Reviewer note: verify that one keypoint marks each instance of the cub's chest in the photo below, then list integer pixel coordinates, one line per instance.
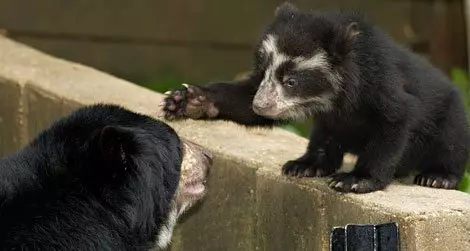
(349, 131)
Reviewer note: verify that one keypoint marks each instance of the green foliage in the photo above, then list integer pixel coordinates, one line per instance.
(300, 128)
(464, 186)
(461, 80)
(163, 82)
(292, 128)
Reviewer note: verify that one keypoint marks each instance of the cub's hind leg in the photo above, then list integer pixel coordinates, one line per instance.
(444, 166)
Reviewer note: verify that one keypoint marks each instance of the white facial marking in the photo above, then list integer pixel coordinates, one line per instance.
(269, 45)
(320, 62)
(270, 48)
(292, 107)
(317, 61)
(165, 234)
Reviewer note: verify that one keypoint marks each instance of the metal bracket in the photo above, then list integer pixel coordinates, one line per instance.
(365, 237)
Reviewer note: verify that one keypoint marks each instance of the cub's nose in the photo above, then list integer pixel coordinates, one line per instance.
(261, 106)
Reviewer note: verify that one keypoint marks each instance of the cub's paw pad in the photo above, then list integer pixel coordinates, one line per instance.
(347, 183)
(296, 168)
(188, 102)
(436, 180)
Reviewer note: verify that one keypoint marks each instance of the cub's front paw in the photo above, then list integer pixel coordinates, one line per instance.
(348, 182)
(305, 168)
(188, 102)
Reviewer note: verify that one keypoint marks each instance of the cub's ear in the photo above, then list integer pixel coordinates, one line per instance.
(285, 9)
(345, 38)
(351, 31)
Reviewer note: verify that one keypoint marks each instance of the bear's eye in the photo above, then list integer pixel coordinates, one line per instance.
(290, 82)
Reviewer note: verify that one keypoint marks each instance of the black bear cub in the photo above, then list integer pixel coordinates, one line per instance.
(102, 178)
(369, 96)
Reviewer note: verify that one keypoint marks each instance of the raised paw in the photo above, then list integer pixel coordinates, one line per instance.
(436, 180)
(348, 182)
(188, 102)
(299, 168)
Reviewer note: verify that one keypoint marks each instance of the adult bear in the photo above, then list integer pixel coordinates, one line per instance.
(102, 178)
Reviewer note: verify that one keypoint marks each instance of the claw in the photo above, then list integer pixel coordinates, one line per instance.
(429, 182)
(419, 181)
(308, 173)
(167, 93)
(195, 102)
(339, 184)
(320, 173)
(423, 182)
(354, 187)
(169, 117)
(185, 85)
(446, 184)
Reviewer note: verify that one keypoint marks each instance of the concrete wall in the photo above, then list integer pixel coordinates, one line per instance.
(250, 206)
(204, 40)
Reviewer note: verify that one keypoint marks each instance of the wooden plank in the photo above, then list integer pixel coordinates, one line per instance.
(447, 46)
(467, 22)
(184, 20)
(199, 40)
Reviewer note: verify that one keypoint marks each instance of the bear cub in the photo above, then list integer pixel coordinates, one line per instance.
(369, 96)
(101, 178)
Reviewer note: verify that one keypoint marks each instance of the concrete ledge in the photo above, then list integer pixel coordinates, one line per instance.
(250, 206)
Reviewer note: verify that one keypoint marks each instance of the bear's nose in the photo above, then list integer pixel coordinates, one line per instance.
(208, 156)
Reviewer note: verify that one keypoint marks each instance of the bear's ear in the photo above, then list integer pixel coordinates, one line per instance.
(286, 9)
(345, 38)
(115, 145)
(351, 31)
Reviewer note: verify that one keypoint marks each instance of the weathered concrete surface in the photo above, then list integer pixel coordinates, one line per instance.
(250, 205)
(230, 221)
(39, 101)
(10, 116)
(290, 217)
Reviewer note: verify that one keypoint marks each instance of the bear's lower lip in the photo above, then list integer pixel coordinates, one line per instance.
(195, 191)
(195, 187)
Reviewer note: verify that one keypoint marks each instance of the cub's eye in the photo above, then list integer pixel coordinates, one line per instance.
(290, 82)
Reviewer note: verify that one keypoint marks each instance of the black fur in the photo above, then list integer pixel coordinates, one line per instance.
(391, 107)
(102, 178)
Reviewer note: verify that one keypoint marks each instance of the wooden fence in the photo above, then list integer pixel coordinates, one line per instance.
(202, 40)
